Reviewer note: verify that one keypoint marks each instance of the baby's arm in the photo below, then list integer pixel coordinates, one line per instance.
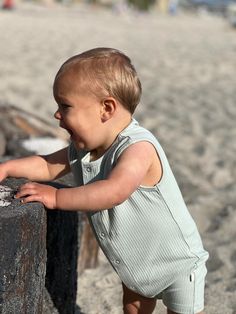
(38, 168)
(132, 168)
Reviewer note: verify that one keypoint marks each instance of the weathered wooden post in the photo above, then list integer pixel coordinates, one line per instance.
(63, 229)
(38, 248)
(22, 254)
(62, 256)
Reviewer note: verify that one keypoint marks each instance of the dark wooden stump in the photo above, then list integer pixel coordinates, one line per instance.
(62, 254)
(22, 257)
(27, 230)
(63, 228)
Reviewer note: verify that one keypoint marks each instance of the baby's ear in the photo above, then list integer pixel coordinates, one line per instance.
(109, 106)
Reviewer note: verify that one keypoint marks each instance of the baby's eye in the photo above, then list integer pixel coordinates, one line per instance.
(64, 107)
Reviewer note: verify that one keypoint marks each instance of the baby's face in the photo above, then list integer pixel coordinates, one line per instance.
(78, 112)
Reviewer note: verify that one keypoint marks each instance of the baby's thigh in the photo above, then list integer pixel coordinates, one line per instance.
(186, 294)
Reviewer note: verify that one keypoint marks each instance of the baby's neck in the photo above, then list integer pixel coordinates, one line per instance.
(112, 131)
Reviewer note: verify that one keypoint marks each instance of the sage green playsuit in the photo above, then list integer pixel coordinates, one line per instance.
(150, 239)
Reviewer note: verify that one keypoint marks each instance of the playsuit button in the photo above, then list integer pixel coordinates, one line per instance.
(88, 169)
(102, 235)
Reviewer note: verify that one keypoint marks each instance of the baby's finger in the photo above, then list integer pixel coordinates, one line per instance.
(32, 198)
(24, 190)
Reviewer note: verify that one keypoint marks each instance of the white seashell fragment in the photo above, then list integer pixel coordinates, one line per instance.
(6, 194)
(4, 203)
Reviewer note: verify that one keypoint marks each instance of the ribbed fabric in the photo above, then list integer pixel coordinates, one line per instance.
(150, 238)
(186, 294)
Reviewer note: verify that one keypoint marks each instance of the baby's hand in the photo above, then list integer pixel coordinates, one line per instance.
(35, 192)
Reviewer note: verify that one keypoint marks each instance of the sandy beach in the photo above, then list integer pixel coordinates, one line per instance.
(187, 66)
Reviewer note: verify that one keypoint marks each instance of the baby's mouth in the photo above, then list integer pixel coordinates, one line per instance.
(67, 129)
(70, 132)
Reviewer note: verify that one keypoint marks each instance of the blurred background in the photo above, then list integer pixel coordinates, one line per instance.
(185, 54)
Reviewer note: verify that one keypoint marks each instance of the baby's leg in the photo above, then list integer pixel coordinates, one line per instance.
(134, 303)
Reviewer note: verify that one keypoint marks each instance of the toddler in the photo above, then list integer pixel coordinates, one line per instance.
(123, 182)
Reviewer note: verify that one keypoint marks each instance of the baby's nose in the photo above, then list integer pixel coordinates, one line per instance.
(57, 115)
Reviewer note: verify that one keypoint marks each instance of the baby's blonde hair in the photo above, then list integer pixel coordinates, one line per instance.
(106, 72)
